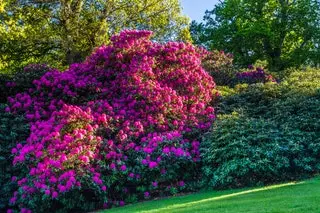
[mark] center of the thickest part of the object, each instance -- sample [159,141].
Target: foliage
[285,33]
[220,66]
[26,37]
[60,32]
[267,133]
[10,85]
[12,129]
[120,127]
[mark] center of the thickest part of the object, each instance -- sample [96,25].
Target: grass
[293,197]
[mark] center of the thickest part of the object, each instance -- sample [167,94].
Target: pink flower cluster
[55,152]
[132,96]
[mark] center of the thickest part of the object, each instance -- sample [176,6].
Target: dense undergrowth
[137,120]
[265,133]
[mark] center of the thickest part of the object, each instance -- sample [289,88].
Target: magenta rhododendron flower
[166,150]
[163,171]
[25,210]
[144,162]
[54,194]
[153,164]
[181,183]
[13,200]
[112,166]
[123,168]
[146,194]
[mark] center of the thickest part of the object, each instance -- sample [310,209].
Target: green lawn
[299,197]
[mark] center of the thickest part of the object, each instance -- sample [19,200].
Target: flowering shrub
[220,66]
[254,75]
[120,127]
[20,81]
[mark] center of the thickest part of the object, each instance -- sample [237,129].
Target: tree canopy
[283,32]
[61,32]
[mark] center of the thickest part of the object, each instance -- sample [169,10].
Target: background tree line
[285,33]
[61,32]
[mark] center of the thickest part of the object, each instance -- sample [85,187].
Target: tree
[25,37]
[283,32]
[66,31]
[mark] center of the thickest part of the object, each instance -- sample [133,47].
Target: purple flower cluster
[254,75]
[132,107]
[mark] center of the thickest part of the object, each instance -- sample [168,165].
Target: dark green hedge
[265,133]
[13,130]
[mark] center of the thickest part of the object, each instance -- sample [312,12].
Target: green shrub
[13,129]
[266,133]
[249,151]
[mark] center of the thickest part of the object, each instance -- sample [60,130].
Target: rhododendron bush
[20,81]
[122,126]
[220,66]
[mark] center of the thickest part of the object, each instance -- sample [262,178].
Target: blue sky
[195,8]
